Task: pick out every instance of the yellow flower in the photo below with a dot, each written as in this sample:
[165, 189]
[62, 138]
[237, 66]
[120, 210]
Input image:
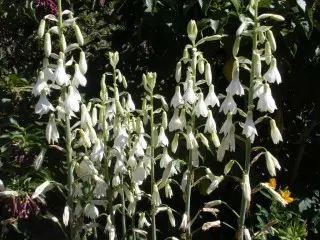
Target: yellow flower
[273, 183]
[286, 196]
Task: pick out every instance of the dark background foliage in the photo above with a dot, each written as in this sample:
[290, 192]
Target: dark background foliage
[150, 36]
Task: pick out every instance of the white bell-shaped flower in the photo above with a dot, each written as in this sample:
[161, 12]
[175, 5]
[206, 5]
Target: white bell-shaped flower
[86, 169]
[165, 159]
[177, 99]
[121, 139]
[175, 122]
[85, 117]
[162, 138]
[189, 95]
[272, 164]
[137, 148]
[43, 106]
[235, 86]
[41, 85]
[274, 132]
[130, 104]
[97, 153]
[52, 133]
[91, 211]
[139, 174]
[195, 154]
[191, 140]
[212, 99]
[143, 221]
[143, 143]
[258, 88]
[210, 124]
[78, 77]
[222, 149]
[266, 101]
[249, 129]
[227, 124]
[60, 75]
[230, 139]
[100, 189]
[228, 105]
[201, 108]
[71, 102]
[273, 75]
[155, 198]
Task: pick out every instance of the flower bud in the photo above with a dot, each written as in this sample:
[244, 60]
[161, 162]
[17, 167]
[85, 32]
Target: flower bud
[144, 81]
[151, 79]
[171, 217]
[215, 139]
[83, 63]
[261, 37]
[94, 116]
[271, 40]
[124, 82]
[185, 55]
[272, 16]
[228, 167]
[192, 31]
[85, 139]
[246, 187]
[41, 28]
[257, 65]
[201, 64]
[63, 43]
[241, 28]
[164, 120]
[212, 203]
[208, 74]
[47, 44]
[178, 72]
[267, 52]
[174, 143]
[78, 34]
[119, 76]
[236, 46]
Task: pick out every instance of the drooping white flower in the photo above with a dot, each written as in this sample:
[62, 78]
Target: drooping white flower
[191, 140]
[258, 88]
[184, 223]
[43, 106]
[71, 102]
[91, 211]
[273, 75]
[212, 99]
[83, 63]
[228, 105]
[177, 99]
[139, 174]
[137, 148]
[201, 108]
[210, 124]
[274, 132]
[162, 138]
[272, 164]
[85, 117]
[230, 139]
[60, 75]
[77, 190]
[175, 122]
[189, 95]
[85, 140]
[195, 157]
[116, 180]
[97, 151]
[78, 77]
[52, 133]
[155, 198]
[100, 189]
[235, 86]
[165, 159]
[41, 85]
[143, 221]
[249, 129]
[130, 104]
[86, 169]
[266, 101]
[183, 118]
[121, 139]
[227, 124]
[168, 191]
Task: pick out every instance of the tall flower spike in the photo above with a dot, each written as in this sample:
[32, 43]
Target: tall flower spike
[235, 86]
[201, 108]
[273, 75]
[249, 129]
[177, 99]
[266, 101]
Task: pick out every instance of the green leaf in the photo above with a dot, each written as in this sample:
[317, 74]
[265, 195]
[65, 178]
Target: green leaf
[236, 4]
[265, 3]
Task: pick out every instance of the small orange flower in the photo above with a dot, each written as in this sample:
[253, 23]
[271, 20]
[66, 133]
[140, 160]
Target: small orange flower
[273, 183]
[286, 196]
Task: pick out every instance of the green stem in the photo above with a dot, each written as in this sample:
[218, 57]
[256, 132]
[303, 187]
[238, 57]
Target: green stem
[153, 207]
[68, 141]
[133, 223]
[190, 167]
[244, 201]
[123, 216]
